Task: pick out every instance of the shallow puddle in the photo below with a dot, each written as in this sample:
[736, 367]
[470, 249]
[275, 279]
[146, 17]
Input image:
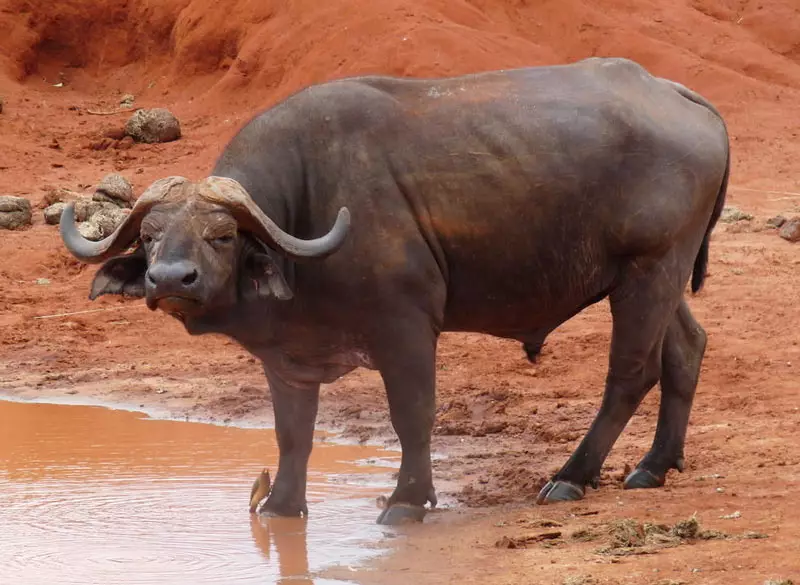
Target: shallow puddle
[92, 495]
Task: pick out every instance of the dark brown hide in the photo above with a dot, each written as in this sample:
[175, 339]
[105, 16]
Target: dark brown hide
[502, 202]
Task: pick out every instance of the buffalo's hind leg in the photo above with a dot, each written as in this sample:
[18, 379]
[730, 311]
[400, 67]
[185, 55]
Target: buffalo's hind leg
[681, 356]
[641, 308]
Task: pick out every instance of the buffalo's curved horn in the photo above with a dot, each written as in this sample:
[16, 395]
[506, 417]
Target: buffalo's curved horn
[95, 252]
[232, 195]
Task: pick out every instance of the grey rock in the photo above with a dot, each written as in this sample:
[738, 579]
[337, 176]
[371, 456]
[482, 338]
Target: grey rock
[156, 125]
[114, 189]
[790, 231]
[109, 218]
[733, 214]
[15, 212]
[90, 231]
[52, 214]
[9, 203]
[85, 208]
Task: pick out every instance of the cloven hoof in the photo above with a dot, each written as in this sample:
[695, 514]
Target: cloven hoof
[398, 514]
[640, 478]
[560, 491]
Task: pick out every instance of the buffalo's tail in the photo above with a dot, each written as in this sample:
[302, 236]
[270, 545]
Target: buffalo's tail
[701, 261]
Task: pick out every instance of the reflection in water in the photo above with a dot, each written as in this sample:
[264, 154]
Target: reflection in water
[290, 540]
[91, 495]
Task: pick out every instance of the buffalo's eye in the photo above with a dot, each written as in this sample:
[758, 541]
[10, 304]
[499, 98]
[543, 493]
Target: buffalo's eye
[147, 238]
[224, 239]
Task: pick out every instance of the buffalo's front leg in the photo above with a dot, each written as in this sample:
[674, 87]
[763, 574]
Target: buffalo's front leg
[407, 366]
[295, 411]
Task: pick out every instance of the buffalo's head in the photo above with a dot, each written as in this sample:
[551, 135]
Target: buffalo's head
[195, 247]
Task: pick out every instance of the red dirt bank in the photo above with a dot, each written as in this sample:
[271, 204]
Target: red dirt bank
[216, 64]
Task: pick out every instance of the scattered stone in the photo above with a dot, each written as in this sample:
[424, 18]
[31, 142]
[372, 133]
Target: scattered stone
[778, 582]
[735, 516]
[85, 208]
[52, 214]
[90, 231]
[127, 100]
[790, 230]
[156, 125]
[579, 580]
[42, 281]
[114, 189]
[712, 476]
[15, 212]
[108, 219]
[733, 214]
[776, 221]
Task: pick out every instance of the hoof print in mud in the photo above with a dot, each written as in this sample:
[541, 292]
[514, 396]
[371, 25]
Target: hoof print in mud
[559, 491]
[399, 514]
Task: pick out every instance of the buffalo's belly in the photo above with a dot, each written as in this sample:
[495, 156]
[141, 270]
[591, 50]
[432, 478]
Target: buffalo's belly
[516, 301]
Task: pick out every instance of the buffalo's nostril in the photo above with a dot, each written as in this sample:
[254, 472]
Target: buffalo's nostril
[189, 278]
[172, 276]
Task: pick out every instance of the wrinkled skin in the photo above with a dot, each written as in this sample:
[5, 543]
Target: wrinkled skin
[501, 203]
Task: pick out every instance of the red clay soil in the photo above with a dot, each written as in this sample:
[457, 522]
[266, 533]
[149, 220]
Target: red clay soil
[503, 423]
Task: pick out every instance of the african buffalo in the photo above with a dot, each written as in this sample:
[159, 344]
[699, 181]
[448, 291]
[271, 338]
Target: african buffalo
[503, 203]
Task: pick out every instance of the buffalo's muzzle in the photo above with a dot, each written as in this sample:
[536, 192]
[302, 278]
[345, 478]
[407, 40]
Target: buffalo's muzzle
[173, 285]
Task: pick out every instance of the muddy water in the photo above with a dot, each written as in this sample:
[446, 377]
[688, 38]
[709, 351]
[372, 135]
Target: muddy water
[91, 495]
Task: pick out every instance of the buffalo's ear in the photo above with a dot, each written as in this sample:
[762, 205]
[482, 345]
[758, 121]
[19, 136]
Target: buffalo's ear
[262, 279]
[121, 275]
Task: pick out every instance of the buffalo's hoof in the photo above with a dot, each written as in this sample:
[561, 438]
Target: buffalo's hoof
[275, 511]
[640, 478]
[560, 491]
[400, 513]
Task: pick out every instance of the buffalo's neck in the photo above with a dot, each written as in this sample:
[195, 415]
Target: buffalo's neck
[253, 325]
[295, 337]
